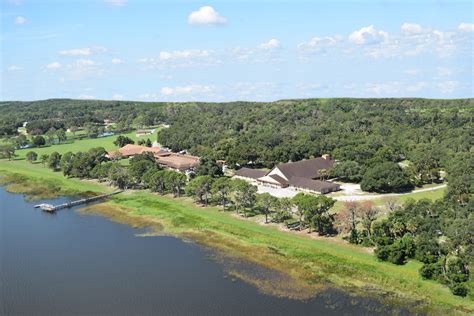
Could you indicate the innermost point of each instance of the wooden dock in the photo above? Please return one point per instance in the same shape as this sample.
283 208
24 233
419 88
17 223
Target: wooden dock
53 208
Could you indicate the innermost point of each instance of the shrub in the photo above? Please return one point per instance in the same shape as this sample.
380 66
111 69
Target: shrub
382 252
354 237
459 289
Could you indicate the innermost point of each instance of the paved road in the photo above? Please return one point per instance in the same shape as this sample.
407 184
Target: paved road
380 196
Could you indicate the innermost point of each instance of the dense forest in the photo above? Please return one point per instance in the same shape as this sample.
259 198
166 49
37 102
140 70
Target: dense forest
388 145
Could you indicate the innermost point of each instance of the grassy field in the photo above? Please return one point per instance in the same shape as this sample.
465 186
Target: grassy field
82 144
310 262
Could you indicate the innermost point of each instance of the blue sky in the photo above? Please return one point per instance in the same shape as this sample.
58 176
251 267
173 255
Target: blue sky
235 50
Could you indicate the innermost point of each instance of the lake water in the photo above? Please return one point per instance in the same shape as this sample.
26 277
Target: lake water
74 264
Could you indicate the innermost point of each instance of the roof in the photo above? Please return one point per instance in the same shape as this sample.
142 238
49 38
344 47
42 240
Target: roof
132 150
177 161
279 179
250 173
314 185
305 168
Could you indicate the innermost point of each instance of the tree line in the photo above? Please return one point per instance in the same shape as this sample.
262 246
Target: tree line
440 233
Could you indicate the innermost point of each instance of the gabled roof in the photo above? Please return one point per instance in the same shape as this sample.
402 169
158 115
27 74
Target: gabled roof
250 173
280 180
305 168
314 185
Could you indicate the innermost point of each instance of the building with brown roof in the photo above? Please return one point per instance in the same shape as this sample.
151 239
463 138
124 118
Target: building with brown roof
179 162
304 175
248 173
131 150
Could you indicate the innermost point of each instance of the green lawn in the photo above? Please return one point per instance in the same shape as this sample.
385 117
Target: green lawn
82 144
310 262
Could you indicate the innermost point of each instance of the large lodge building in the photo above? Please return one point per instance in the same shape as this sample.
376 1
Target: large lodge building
167 159
304 175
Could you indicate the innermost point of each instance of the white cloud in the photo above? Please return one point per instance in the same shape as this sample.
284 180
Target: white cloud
318 44
117 97
206 16
368 35
413 40
14 68
271 44
190 89
84 62
448 87
76 52
86 51
82 68
411 28
182 54
116 3
466 27
116 61
54 65
19 20
182 58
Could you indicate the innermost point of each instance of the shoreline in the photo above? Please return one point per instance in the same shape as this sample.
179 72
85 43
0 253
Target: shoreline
309 261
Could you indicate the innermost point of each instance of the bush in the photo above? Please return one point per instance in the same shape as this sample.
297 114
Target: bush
459 289
382 252
354 237
397 254
431 271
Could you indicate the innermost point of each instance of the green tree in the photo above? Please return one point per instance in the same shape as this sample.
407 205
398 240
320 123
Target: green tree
221 188
347 171
54 160
51 133
244 194
386 177
460 178
91 130
74 130
266 202
44 159
31 156
283 210
21 141
176 182
138 168
7 151
122 141
67 163
300 201
61 135
208 166
200 187
39 141
119 176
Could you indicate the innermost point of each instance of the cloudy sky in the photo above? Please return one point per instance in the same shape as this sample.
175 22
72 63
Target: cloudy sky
235 50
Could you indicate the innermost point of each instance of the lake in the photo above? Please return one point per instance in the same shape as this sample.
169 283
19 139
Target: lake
69 263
